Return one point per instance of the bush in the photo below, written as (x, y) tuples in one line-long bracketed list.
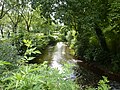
[(8, 54), (81, 45), (39, 77), (102, 85), (115, 64), (96, 54), (39, 41), (52, 40), (17, 40)]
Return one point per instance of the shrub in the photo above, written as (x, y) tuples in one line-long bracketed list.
[(39, 77), (17, 40), (30, 51), (39, 41), (102, 85), (8, 52), (115, 64), (8, 56), (97, 54)]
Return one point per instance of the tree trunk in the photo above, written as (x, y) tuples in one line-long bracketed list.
[(101, 38), (28, 27), (8, 34), (1, 29), (15, 28)]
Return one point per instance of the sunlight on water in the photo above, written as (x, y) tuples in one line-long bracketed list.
[(58, 56)]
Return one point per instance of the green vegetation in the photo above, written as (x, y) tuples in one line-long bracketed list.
[(37, 77), (91, 28), (102, 85)]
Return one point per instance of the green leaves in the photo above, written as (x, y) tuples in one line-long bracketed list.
[(39, 77), (103, 84), (28, 43), (28, 58), (30, 50), (8, 53), (4, 63)]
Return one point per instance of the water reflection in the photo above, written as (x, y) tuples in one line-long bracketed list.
[(58, 56)]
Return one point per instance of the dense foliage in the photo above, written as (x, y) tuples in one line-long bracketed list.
[(38, 77), (27, 27), (93, 27)]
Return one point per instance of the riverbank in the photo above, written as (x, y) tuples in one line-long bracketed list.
[(99, 71)]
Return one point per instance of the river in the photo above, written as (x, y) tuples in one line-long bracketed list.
[(59, 54)]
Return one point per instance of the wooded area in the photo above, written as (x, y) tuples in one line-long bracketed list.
[(91, 29)]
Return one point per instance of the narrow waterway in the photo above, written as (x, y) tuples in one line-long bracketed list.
[(56, 55), (59, 54)]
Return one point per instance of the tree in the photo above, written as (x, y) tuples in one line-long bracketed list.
[(15, 18), (89, 18), (11, 9), (77, 14)]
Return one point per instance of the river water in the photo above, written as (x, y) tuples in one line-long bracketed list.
[(56, 55), (59, 54)]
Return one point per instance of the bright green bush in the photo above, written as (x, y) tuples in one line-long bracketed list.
[(39, 77), (102, 85), (30, 51)]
